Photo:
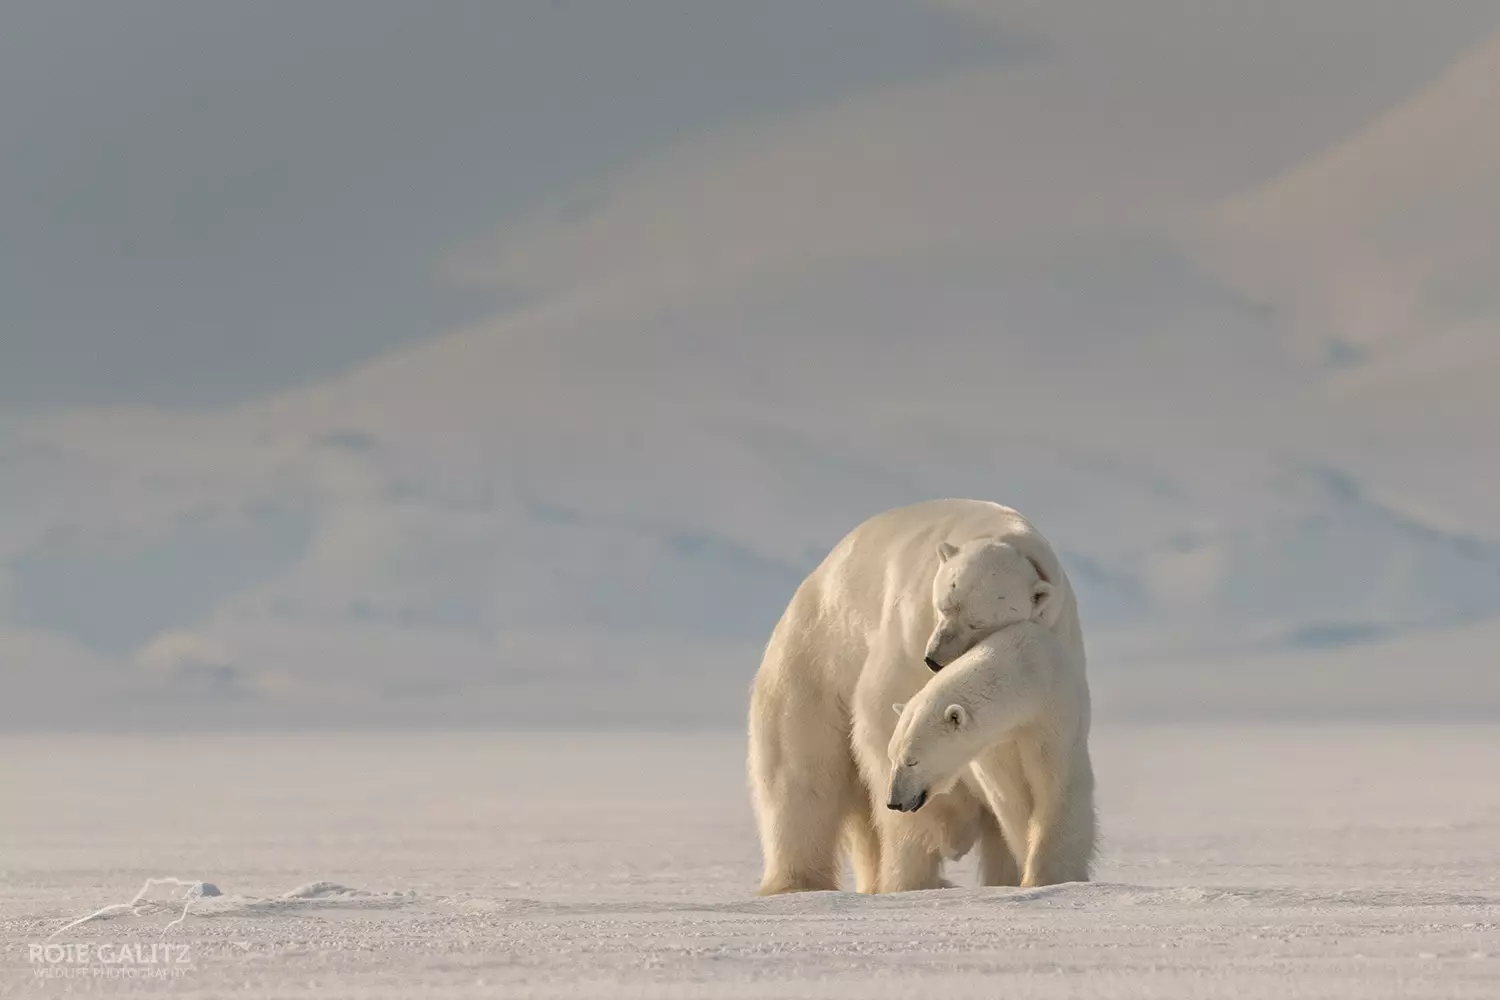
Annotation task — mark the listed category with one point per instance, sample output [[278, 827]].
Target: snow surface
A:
[[1286, 862]]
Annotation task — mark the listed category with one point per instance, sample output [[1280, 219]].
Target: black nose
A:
[[900, 807], [932, 664]]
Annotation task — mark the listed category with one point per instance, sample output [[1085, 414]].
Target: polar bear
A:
[[1013, 713], [898, 598]]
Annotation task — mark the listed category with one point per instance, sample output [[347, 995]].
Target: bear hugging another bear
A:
[[957, 615]]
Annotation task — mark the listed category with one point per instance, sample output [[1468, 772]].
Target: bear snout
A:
[[909, 804], [944, 646], [909, 788]]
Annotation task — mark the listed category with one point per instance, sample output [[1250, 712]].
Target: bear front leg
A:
[[909, 855], [862, 840], [804, 787], [956, 817], [1062, 828], [997, 863], [999, 774]]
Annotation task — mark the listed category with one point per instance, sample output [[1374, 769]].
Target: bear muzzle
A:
[[910, 805]]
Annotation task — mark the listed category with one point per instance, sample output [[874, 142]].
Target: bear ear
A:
[[955, 716], [1036, 565], [899, 707], [946, 551], [1044, 603]]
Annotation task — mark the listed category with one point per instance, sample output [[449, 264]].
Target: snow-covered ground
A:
[[1337, 861]]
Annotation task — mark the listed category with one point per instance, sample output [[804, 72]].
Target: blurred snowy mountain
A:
[[1246, 388]]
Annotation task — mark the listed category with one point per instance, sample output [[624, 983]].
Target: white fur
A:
[[851, 644], [1012, 712]]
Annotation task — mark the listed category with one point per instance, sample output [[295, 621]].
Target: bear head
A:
[[981, 587], [976, 703]]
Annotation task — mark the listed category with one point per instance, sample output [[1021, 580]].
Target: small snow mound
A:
[[311, 896], [322, 890]]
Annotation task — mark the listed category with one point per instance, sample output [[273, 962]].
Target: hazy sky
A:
[[207, 201], [382, 360], [204, 201]]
